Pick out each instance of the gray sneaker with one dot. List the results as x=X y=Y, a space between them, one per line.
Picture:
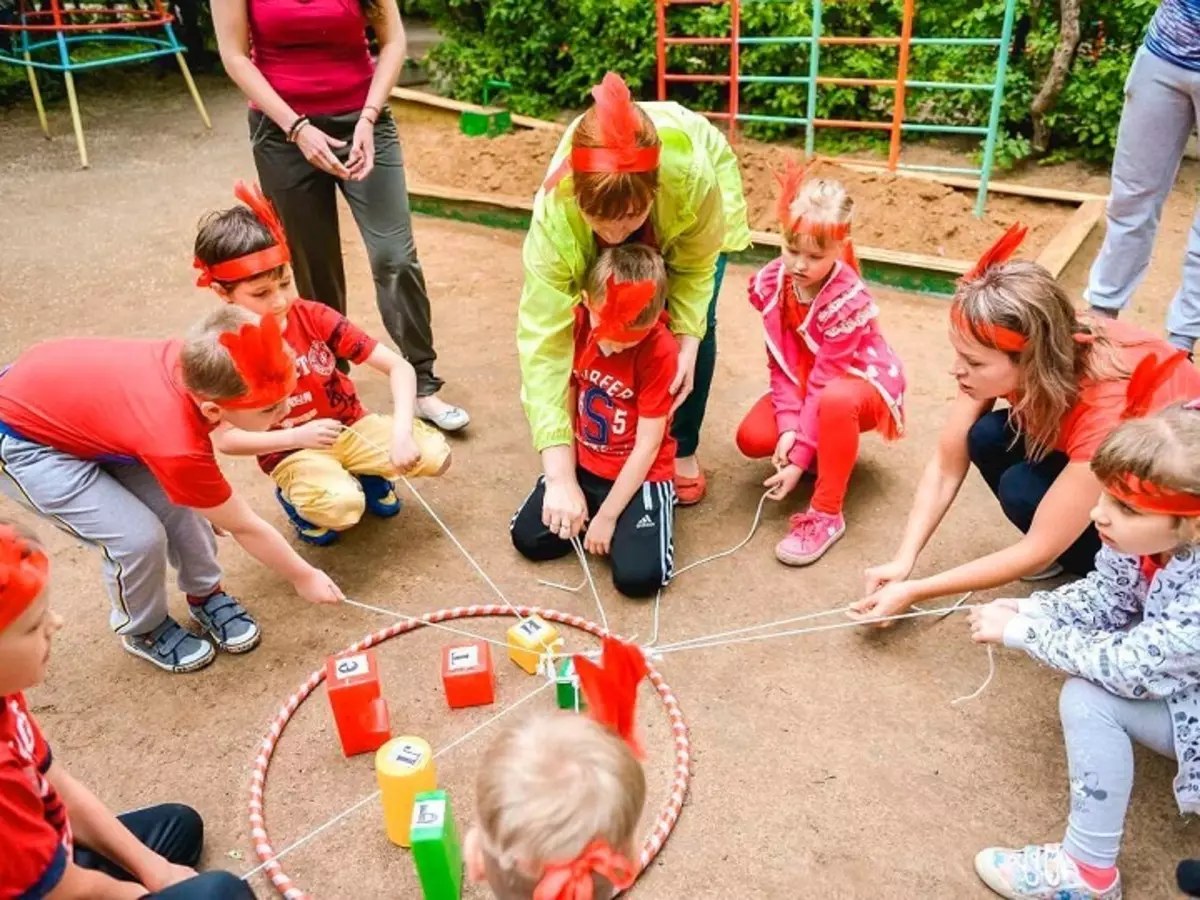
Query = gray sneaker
x=227 y=623
x=171 y=648
x=1051 y=571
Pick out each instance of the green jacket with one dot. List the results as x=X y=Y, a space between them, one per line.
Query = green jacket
x=699 y=212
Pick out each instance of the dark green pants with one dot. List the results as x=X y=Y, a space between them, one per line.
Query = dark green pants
x=688 y=418
x=306 y=199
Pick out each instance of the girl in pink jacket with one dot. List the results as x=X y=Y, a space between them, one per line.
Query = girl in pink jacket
x=833 y=376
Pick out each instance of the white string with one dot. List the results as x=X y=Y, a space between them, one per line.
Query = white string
x=427 y=624
x=703 y=639
x=587 y=577
x=734 y=549
x=983 y=687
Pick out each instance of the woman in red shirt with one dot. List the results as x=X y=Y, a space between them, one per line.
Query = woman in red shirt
x=320 y=122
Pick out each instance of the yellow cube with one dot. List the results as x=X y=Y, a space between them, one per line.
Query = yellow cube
x=403 y=768
x=529 y=639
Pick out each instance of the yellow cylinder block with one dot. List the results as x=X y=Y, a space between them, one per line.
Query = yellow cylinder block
x=403 y=768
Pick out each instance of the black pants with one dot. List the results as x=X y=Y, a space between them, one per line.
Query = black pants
x=998 y=452
x=306 y=199
x=643 y=549
x=175 y=832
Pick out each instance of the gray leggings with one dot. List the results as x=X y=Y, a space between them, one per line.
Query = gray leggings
x=1100 y=729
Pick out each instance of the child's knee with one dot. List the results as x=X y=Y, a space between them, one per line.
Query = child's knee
x=216 y=885
x=753 y=442
x=146 y=540
x=637 y=579
x=336 y=509
x=1079 y=702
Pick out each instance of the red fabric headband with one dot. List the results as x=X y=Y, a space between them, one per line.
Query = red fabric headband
x=253 y=263
x=573 y=880
x=24 y=571
x=1145 y=496
x=260 y=357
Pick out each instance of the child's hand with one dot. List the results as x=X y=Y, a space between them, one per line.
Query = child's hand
x=787 y=441
x=599 y=535
x=317 y=587
x=164 y=874
x=319 y=434
x=784 y=481
x=988 y=622
x=405 y=452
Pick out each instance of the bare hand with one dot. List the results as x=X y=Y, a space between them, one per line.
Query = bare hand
x=685 y=372
x=890 y=600
x=880 y=576
x=599 y=535
x=783 y=448
x=564 y=509
x=165 y=874
x=405 y=452
x=988 y=622
x=319 y=434
x=317 y=587
x=317 y=146
x=784 y=481
x=362 y=150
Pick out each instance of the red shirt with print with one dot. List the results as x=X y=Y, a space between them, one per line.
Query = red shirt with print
x=614 y=392
x=115 y=401
x=34 y=830
x=320 y=336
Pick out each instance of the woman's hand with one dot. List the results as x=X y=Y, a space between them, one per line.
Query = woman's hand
x=891 y=600
x=685 y=374
x=317 y=146
x=880 y=576
x=564 y=509
x=362 y=149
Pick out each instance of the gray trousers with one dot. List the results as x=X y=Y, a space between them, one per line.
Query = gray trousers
x=1100 y=729
x=306 y=199
x=1162 y=105
x=121 y=510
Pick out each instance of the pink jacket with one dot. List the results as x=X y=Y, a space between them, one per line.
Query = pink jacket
x=839 y=336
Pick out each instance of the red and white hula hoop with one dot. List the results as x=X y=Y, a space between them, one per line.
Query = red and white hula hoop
x=650 y=846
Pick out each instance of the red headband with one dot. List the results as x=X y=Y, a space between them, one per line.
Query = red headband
x=791 y=180
x=253 y=263
x=24 y=570
x=573 y=880
x=1145 y=496
x=260 y=357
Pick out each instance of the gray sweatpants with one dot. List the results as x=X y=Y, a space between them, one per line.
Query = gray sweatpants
x=1162 y=106
x=1100 y=729
x=121 y=510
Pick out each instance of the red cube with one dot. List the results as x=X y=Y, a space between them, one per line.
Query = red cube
x=360 y=713
x=467 y=674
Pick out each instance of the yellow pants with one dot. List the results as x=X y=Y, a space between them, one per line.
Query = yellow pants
x=321 y=485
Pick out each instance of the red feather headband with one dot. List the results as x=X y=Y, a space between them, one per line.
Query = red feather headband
x=252 y=264
x=624 y=301
x=24 y=571
x=791 y=181
x=262 y=359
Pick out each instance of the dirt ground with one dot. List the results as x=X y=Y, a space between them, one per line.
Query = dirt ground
x=827 y=765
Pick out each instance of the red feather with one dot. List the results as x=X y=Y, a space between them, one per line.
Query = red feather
x=24 y=569
x=999 y=252
x=611 y=688
x=790 y=182
x=625 y=300
x=254 y=198
x=259 y=355
x=1147 y=378
x=617 y=117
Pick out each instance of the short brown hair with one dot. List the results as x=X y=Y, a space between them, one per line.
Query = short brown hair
x=614 y=195
x=629 y=262
x=232 y=233
x=208 y=370
x=549 y=786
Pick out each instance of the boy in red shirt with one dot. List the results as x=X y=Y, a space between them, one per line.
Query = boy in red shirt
x=331 y=460
x=625 y=360
x=109 y=440
x=58 y=841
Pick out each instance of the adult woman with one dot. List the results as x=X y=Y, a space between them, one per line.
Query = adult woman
x=1016 y=337
x=653 y=173
x=320 y=122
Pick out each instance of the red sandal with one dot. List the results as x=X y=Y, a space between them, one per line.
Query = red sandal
x=690 y=491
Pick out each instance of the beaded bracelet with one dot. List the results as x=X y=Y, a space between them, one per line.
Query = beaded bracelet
x=378 y=113
x=300 y=122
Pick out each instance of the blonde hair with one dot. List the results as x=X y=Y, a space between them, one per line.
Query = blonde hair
x=207 y=368
x=614 y=195
x=550 y=785
x=1021 y=296
x=629 y=262
x=824 y=205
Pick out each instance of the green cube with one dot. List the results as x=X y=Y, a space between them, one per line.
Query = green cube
x=435 y=847
x=566 y=686
x=474 y=124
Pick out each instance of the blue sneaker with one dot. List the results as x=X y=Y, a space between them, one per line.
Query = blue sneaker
x=306 y=530
x=381 y=496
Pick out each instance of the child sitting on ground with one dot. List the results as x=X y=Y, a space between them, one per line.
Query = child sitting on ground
x=559 y=798
x=625 y=360
x=58 y=839
x=330 y=459
x=833 y=375
x=1129 y=635
x=109 y=439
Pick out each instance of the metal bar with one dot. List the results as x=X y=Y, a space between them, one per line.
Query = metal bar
x=704 y=79
x=814 y=71
x=720 y=116
x=922 y=128
x=773 y=79
x=782 y=120
x=660 y=51
x=902 y=167
x=851 y=123
x=948 y=170
x=735 y=21
x=989 y=147
x=857 y=82
x=877 y=41
x=951 y=85
x=697 y=41
x=758 y=39
x=955 y=42
x=901 y=78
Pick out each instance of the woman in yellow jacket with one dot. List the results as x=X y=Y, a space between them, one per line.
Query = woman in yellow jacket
x=652 y=173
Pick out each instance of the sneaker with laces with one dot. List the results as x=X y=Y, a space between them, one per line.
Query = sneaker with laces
x=812 y=534
x=1038 y=872
x=227 y=623
x=380 y=495
x=1051 y=571
x=306 y=530
x=171 y=647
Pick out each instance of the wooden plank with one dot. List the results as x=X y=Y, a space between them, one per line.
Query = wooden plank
x=996 y=187
x=879 y=254
x=424 y=97
x=439 y=192
x=1055 y=255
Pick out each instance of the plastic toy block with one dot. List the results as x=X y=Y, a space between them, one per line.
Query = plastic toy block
x=435 y=847
x=403 y=768
x=360 y=713
x=566 y=686
x=489 y=120
x=529 y=639
x=467 y=674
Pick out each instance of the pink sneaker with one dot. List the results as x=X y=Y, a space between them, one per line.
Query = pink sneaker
x=812 y=534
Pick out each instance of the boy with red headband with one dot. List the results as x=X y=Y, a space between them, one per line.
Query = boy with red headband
x=58 y=840
x=330 y=459
x=624 y=459
x=109 y=440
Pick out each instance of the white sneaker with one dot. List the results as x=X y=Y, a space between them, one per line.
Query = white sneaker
x=1038 y=872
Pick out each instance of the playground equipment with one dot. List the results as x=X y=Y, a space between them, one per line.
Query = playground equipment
x=41 y=25
x=489 y=120
x=900 y=85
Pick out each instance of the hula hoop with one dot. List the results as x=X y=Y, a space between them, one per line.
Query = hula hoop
x=653 y=842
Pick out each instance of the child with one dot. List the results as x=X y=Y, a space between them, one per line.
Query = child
x=109 y=439
x=559 y=799
x=833 y=375
x=625 y=361
x=330 y=459
x=1129 y=634
x=59 y=840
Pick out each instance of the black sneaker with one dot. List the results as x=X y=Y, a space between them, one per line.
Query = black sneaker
x=171 y=647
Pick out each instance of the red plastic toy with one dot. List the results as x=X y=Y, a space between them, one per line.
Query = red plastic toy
x=360 y=713
x=467 y=674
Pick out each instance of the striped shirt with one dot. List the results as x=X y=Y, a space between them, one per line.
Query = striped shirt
x=1174 y=34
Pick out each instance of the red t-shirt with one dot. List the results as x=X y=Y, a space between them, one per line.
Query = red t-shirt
x=614 y=391
x=313 y=53
x=116 y=401
x=34 y=832
x=320 y=336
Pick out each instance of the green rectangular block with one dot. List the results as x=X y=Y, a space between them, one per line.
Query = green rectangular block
x=566 y=686
x=435 y=847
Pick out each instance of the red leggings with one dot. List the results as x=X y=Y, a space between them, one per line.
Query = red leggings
x=846 y=408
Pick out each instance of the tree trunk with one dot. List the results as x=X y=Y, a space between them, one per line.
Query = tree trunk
x=1056 y=77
